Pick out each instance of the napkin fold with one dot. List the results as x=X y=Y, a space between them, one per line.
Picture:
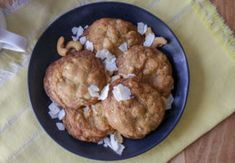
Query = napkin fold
x=209 y=46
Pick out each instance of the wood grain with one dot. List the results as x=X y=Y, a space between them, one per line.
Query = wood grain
x=218 y=145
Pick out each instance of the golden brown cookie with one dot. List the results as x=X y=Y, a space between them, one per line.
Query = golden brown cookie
x=138 y=116
x=150 y=65
x=107 y=33
x=87 y=124
x=67 y=80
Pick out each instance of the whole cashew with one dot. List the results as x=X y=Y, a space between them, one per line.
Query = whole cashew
x=158 y=42
x=61 y=47
x=74 y=45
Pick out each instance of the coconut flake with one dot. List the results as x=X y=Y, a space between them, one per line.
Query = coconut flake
x=93 y=90
x=169 y=102
x=121 y=92
x=110 y=65
x=77 y=31
x=104 y=93
x=123 y=47
x=120 y=149
x=54 y=109
x=89 y=45
x=112 y=143
x=100 y=142
x=104 y=54
x=74 y=30
x=149 y=39
x=115 y=77
x=82 y=40
x=80 y=31
x=61 y=114
x=109 y=60
x=53 y=116
x=141 y=28
x=107 y=142
x=60 y=126
x=128 y=76
x=74 y=38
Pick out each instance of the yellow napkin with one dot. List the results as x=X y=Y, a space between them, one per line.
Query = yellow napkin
x=209 y=46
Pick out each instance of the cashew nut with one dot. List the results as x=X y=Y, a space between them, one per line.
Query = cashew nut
x=74 y=45
x=158 y=42
x=118 y=137
x=61 y=47
x=149 y=31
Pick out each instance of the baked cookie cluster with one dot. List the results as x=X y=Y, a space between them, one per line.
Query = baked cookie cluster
x=111 y=78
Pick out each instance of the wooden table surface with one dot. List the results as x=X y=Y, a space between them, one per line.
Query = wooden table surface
x=218 y=145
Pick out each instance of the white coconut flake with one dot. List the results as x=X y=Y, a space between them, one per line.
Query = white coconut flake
x=89 y=45
x=60 y=126
x=123 y=47
x=141 y=28
x=100 y=142
x=104 y=93
x=61 y=114
x=77 y=32
x=53 y=116
x=109 y=60
x=74 y=30
x=107 y=142
x=120 y=149
x=115 y=77
x=105 y=145
x=80 y=31
x=93 y=90
x=110 y=65
x=121 y=92
x=112 y=143
x=82 y=40
x=128 y=76
x=104 y=54
x=74 y=38
x=169 y=102
x=149 y=39
x=54 y=109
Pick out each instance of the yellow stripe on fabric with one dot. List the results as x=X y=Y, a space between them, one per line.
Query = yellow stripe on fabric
x=161 y=8
x=42 y=12
x=167 y=9
x=17 y=135
x=31 y=15
x=13 y=97
x=6 y=58
x=215 y=23
x=211 y=98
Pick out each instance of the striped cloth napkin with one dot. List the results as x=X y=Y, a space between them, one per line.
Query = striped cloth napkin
x=210 y=48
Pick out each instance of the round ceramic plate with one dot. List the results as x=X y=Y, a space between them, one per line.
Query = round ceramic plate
x=45 y=53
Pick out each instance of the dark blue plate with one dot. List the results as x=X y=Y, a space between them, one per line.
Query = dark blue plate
x=45 y=53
